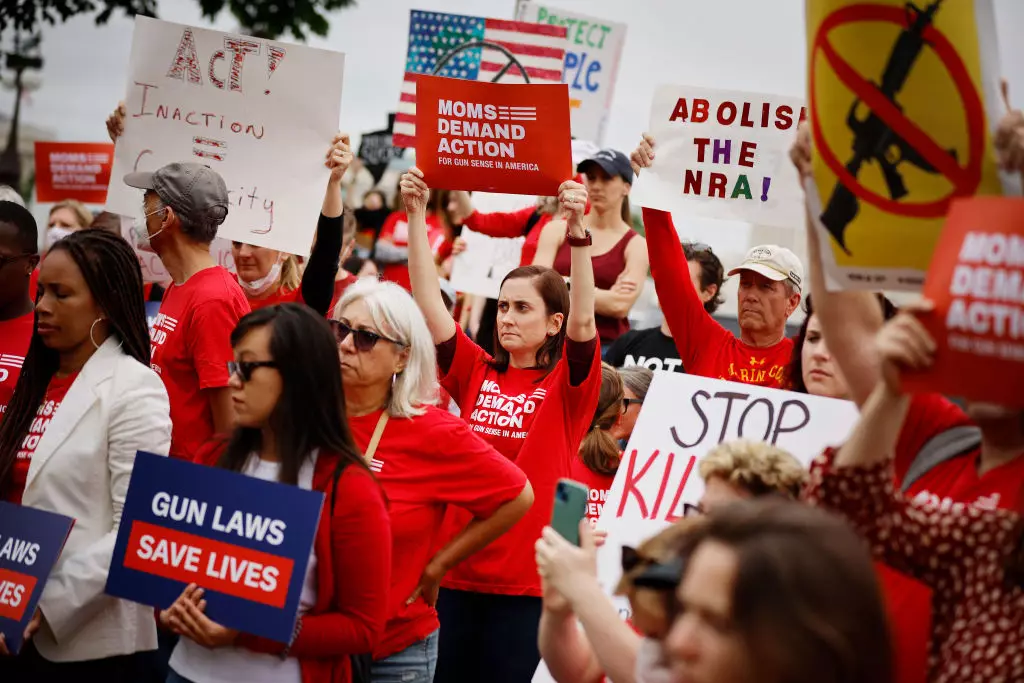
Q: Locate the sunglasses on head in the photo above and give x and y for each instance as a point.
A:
(657, 575)
(245, 368)
(363, 340)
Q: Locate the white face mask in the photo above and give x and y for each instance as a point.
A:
(143, 240)
(651, 664)
(263, 284)
(56, 234)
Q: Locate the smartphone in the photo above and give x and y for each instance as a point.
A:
(570, 508)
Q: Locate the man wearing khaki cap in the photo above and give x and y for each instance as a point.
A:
(183, 205)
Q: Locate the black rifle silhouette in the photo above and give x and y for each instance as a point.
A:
(874, 140)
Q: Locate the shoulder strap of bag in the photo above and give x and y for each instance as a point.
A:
(941, 448)
(371, 449)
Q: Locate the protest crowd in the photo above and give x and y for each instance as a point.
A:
(335, 465)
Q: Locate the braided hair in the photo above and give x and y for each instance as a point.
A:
(111, 271)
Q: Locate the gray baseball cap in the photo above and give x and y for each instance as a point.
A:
(196, 192)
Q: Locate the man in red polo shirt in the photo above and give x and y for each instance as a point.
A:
(184, 204)
(19, 255)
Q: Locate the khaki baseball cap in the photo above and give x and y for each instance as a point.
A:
(774, 262)
(196, 192)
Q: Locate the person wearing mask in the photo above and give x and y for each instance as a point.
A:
(619, 254)
(732, 471)
(66, 217)
(19, 257)
(371, 216)
(970, 556)
(533, 401)
(425, 458)
(86, 402)
(636, 382)
(771, 278)
(654, 347)
(600, 454)
(291, 428)
(774, 591)
(184, 204)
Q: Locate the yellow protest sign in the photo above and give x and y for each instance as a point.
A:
(903, 100)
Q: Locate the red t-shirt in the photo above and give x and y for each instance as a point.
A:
(425, 464)
(191, 350)
(510, 224)
(599, 485)
(339, 291)
(15, 336)
(55, 393)
(278, 296)
(396, 231)
(537, 422)
(705, 347)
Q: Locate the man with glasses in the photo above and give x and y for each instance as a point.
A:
(19, 256)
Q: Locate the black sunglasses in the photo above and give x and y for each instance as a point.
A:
(690, 510)
(7, 260)
(245, 368)
(627, 402)
(363, 340)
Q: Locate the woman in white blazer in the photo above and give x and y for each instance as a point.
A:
(85, 403)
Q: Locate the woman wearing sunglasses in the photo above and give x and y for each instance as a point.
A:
(534, 401)
(425, 458)
(290, 427)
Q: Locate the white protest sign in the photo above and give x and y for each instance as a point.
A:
(485, 263)
(260, 113)
(723, 154)
(592, 56)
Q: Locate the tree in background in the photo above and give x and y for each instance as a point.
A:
(268, 19)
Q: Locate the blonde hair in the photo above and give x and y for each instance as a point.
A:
(599, 451)
(756, 467)
(396, 314)
(291, 274)
(82, 214)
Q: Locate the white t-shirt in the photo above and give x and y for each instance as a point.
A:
(232, 664)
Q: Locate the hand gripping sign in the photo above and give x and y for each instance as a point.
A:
(493, 137)
(244, 540)
(30, 543)
(976, 282)
(896, 139)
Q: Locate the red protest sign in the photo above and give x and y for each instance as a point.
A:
(493, 137)
(73, 170)
(976, 281)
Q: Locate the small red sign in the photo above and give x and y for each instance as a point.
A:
(73, 170)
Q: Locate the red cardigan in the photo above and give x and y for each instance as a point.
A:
(353, 550)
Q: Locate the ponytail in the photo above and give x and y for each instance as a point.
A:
(599, 450)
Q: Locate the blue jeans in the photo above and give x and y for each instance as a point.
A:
(414, 664)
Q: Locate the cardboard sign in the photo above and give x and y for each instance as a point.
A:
(242, 106)
(376, 150)
(976, 281)
(244, 540)
(485, 263)
(493, 137)
(591, 63)
(903, 100)
(30, 543)
(153, 268)
(723, 154)
(73, 170)
(475, 49)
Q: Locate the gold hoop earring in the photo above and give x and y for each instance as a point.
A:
(93, 327)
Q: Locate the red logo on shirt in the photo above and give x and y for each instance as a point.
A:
(498, 414)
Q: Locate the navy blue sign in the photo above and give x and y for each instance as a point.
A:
(30, 543)
(245, 541)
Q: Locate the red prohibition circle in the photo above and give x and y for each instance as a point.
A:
(965, 180)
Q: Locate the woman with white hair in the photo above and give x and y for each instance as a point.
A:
(425, 458)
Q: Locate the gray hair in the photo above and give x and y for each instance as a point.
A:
(395, 313)
(637, 379)
(9, 194)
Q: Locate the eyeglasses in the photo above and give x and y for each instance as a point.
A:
(245, 368)
(690, 510)
(363, 340)
(7, 260)
(627, 402)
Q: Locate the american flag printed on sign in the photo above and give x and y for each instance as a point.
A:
(476, 49)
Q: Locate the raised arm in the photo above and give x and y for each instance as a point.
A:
(422, 268)
(580, 326)
(618, 301)
(849, 320)
(322, 267)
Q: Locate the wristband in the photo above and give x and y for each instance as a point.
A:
(584, 241)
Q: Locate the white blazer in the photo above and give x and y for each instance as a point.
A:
(80, 468)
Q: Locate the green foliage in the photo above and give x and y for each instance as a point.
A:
(638, 223)
(261, 18)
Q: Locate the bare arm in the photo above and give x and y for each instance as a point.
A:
(618, 301)
(422, 267)
(551, 238)
(580, 326)
(565, 649)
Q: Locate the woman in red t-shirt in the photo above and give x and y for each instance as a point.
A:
(600, 453)
(534, 402)
(291, 427)
(425, 458)
(85, 403)
(392, 246)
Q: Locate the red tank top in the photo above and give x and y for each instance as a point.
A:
(607, 268)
